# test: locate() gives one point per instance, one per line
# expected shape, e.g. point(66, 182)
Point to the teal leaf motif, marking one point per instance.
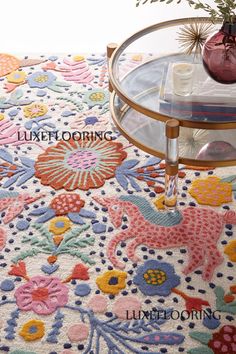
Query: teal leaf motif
point(55, 88)
point(221, 305)
point(228, 179)
point(23, 255)
point(69, 236)
point(200, 350)
point(202, 337)
point(16, 95)
point(62, 84)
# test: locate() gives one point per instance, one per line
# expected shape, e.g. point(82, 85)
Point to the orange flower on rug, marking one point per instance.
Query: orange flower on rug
point(79, 164)
point(212, 191)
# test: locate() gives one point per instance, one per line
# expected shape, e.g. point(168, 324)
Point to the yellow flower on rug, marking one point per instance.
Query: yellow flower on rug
point(160, 202)
point(112, 281)
point(1, 116)
point(16, 77)
point(35, 110)
point(230, 250)
point(78, 58)
point(32, 330)
point(60, 225)
point(211, 191)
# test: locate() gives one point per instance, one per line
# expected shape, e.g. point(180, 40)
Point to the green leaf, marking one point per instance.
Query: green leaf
point(16, 95)
point(228, 179)
point(220, 303)
point(30, 253)
point(56, 89)
point(62, 84)
point(82, 256)
point(200, 350)
point(74, 233)
point(201, 337)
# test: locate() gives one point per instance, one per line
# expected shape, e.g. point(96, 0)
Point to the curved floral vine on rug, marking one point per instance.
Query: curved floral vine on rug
point(165, 230)
point(213, 190)
point(81, 164)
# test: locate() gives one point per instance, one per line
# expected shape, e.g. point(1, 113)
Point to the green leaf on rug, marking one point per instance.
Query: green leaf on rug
point(201, 337)
point(221, 305)
point(200, 350)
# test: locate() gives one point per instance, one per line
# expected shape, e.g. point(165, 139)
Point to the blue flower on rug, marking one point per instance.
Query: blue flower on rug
point(41, 79)
point(156, 278)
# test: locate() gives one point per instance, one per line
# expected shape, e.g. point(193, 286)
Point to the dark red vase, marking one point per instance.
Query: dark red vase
point(219, 54)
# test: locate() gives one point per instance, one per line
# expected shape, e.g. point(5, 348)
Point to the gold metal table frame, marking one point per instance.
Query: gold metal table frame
point(173, 125)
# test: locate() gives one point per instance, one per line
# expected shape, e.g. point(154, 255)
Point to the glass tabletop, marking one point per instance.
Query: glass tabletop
point(147, 83)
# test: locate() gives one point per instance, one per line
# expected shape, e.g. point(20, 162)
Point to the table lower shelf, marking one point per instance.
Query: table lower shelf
point(197, 147)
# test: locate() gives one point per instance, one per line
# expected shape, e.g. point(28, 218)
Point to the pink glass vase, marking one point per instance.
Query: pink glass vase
point(219, 54)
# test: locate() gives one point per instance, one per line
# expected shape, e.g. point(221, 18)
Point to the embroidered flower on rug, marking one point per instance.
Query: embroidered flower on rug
point(32, 330)
point(96, 97)
point(42, 295)
point(230, 250)
point(35, 110)
point(16, 77)
point(41, 79)
point(156, 278)
point(112, 281)
point(221, 342)
point(63, 204)
point(59, 225)
point(211, 191)
point(91, 120)
point(2, 116)
point(70, 205)
point(82, 164)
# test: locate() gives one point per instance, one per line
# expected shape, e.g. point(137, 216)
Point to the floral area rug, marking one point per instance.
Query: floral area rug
point(89, 263)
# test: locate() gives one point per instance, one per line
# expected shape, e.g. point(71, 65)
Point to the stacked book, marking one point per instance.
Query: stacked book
point(209, 100)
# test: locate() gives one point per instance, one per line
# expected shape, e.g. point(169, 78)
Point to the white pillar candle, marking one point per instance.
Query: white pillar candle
point(182, 78)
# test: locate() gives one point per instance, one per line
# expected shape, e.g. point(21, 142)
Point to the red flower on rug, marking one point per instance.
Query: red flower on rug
point(224, 341)
point(81, 164)
point(67, 203)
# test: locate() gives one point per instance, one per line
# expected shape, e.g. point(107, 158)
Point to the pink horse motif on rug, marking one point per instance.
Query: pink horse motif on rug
point(198, 230)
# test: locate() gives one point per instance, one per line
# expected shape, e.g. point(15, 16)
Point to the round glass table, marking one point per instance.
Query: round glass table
point(198, 129)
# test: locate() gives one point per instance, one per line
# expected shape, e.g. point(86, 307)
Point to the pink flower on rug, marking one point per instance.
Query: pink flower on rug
point(127, 307)
point(42, 295)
